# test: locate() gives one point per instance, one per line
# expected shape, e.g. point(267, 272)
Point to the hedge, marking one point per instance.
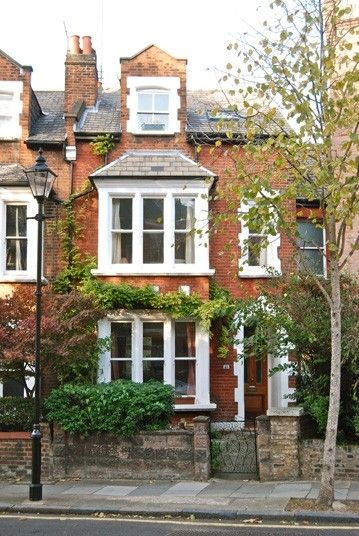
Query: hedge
point(120, 407)
point(16, 414)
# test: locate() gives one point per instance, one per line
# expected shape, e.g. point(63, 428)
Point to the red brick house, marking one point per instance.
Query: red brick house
point(143, 203)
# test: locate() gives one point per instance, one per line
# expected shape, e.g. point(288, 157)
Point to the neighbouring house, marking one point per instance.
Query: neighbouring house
point(138, 214)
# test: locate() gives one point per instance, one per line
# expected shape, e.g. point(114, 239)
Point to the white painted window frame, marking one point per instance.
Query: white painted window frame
point(12, 129)
point(273, 260)
point(202, 397)
point(168, 84)
point(167, 190)
point(18, 196)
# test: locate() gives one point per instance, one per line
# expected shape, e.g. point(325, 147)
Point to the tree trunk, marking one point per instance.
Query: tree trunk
point(326, 492)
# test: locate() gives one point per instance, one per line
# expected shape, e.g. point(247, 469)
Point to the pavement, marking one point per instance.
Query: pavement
point(216, 499)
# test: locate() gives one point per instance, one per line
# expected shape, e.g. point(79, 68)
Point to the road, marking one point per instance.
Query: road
point(80, 526)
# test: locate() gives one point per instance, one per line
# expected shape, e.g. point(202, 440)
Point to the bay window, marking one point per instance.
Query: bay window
point(155, 347)
point(144, 229)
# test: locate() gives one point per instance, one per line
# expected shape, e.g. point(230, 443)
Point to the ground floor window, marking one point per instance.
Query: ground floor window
point(145, 347)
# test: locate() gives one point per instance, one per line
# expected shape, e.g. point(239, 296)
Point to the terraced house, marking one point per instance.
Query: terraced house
point(138, 213)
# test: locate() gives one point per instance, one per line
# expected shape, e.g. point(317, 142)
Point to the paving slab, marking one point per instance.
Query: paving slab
point(150, 490)
point(186, 489)
point(115, 491)
point(81, 490)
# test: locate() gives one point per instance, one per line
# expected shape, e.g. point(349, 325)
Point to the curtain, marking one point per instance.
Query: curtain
point(189, 251)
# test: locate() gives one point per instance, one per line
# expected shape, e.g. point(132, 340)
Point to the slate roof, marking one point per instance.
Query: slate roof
point(200, 103)
point(155, 164)
point(12, 175)
point(105, 117)
point(50, 125)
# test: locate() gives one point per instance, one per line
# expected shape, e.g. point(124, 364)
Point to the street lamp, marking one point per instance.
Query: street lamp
point(41, 180)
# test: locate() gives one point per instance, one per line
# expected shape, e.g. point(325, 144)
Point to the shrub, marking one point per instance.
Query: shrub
point(120, 407)
point(16, 414)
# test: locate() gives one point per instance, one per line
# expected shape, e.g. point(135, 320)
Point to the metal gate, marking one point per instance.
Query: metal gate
point(233, 449)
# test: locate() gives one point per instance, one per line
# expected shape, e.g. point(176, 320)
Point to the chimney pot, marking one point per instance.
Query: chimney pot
point(86, 44)
point(75, 44)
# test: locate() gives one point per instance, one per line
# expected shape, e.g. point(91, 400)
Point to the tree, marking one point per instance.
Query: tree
point(305, 63)
point(69, 344)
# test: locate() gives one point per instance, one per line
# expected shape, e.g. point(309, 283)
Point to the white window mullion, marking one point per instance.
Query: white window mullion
point(169, 372)
point(168, 239)
point(104, 371)
point(137, 351)
point(202, 366)
point(137, 225)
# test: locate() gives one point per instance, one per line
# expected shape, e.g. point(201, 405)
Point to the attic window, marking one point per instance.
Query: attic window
point(153, 110)
point(226, 115)
point(10, 109)
point(153, 103)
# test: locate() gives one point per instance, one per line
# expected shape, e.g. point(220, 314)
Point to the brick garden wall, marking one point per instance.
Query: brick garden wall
point(15, 455)
point(175, 454)
point(311, 454)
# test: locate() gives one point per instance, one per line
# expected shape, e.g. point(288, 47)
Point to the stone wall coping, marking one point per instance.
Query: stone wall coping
point(294, 411)
point(4, 436)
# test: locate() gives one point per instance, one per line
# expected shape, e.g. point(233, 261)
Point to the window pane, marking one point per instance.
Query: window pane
point(161, 102)
point(184, 213)
point(121, 248)
point(152, 248)
point(16, 254)
point(152, 370)
point(15, 220)
point(121, 339)
point(13, 388)
point(153, 339)
point(145, 102)
point(310, 235)
point(311, 259)
point(122, 214)
point(185, 377)
point(184, 248)
point(121, 370)
point(257, 256)
point(153, 214)
point(185, 339)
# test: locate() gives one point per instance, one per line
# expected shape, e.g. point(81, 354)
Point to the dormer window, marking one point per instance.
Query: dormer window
point(10, 109)
point(153, 103)
point(153, 110)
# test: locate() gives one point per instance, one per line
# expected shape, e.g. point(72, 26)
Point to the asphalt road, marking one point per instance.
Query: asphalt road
point(76, 526)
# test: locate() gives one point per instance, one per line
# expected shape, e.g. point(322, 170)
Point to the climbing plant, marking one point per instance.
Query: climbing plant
point(103, 145)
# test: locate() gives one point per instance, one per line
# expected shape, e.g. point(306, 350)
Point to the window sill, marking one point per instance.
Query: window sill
point(155, 272)
point(152, 133)
point(9, 138)
point(21, 279)
point(196, 407)
point(262, 275)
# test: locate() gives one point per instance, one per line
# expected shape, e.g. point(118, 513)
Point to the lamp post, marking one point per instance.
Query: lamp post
point(41, 180)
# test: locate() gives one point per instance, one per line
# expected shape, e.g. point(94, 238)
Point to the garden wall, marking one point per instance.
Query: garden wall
point(284, 455)
point(15, 454)
point(175, 454)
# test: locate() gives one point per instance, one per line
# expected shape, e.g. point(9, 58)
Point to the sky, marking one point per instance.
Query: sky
point(33, 32)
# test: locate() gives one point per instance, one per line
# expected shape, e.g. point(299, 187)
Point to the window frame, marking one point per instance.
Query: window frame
point(11, 129)
point(152, 110)
point(273, 260)
point(168, 191)
point(169, 85)
point(313, 248)
point(137, 318)
point(18, 196)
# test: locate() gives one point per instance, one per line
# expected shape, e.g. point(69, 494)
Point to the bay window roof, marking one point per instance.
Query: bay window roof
point(161, 164)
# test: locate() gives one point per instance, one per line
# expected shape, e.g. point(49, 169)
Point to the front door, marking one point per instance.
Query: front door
point(255, 386)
